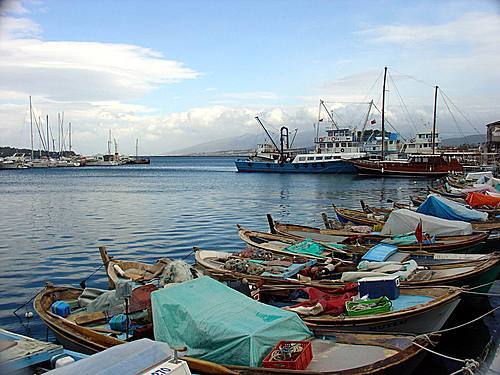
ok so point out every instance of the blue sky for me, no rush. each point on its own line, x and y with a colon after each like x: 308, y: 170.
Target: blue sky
x: 174, y: 73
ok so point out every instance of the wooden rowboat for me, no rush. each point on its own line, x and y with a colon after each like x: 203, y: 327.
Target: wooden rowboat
x: 458, y: 271
x: 419, y: 318
x: 138, y: 272
x: 87, y: 339
x: 362, y: 218
x: 349, y: 353
x: 357, y: 242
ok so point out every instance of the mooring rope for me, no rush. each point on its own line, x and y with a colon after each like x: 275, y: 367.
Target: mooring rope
x: 470, y: 364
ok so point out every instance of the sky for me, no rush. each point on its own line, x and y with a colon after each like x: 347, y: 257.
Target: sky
x: 178, y: 73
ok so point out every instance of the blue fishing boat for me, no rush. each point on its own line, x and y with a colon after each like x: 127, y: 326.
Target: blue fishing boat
x: 333, y: 154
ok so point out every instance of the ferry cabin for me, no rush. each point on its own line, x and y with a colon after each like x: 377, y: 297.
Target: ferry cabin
x: 421, y: 144
x: 337, y: 141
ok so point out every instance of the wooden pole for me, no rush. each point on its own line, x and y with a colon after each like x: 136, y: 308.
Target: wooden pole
x: 326, y: 221
x: 105, y: 260
x: 270, y: 221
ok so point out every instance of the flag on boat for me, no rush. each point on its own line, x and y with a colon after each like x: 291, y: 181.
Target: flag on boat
x: 373, y: 121
x: 419, y: 233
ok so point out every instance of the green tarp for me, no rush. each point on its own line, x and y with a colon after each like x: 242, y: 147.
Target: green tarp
x: 219, y: 324
x: 307, y: 247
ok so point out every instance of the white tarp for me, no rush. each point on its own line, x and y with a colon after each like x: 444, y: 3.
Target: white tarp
x: 405, y: 221
x: 473, y: 176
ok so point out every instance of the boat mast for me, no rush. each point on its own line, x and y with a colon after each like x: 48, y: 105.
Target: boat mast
x: 31, y: 129
x: 109, y: 143
x: 263, y: 127
x: 48, y: 139
x: 329, y: 114
x: 383, y: 117
x: 366, y: 121
x: 59, y: 132
x: 70, y: 137
x: 136, y: 148
x: 434, y: 120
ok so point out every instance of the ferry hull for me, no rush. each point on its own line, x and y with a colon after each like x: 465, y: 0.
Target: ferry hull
x: 320, y: 167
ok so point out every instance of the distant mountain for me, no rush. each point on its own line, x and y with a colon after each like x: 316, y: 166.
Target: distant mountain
x: 475, y: 139
x: 244, y: 144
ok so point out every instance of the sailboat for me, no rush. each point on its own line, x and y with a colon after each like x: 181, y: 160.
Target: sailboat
x: 432, y: 165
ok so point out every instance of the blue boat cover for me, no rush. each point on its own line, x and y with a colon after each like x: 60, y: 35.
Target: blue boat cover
x: 219, y: 324
x: 380, y: 252
x: 438, y: 206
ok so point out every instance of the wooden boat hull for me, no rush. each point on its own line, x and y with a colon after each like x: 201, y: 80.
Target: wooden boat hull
x: 402, y: 351
x: 419, y: 319
x: 86, y: 341
x: 466, y: 272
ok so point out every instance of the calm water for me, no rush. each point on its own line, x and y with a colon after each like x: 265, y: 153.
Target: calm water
x: 53, y: 220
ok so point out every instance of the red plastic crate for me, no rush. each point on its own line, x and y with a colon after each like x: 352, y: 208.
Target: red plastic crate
x: 300, y: 363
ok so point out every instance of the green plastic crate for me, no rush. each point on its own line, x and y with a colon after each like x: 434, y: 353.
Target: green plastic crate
x: 380, y: 305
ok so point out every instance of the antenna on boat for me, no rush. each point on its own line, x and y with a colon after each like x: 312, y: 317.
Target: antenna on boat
x: 434, y: 120
x: 383, y: 117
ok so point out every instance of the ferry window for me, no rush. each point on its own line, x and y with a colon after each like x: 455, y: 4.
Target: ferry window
x: 343, y: 144
x: 330, y: 145
x: 322, y: 145
x: 319, y: 157
x: 302, y: 158
x: 425, y: 160
x: 336, y: 157
x: 412, y: 146
x: 374, y: 148
x: 310, y: 158
x: 337, y: 144
x: 419, y: 146
x: 328, y: 157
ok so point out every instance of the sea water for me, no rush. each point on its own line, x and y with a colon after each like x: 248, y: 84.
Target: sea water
x: 53, y: 220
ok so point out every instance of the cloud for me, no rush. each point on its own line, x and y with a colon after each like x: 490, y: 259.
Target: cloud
x: 473, y: 28
x: 13, y: 7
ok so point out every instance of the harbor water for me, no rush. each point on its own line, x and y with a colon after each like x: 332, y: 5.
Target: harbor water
x: 53, y: 220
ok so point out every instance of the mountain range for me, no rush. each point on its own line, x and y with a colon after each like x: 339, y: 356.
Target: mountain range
x: 244, y: 144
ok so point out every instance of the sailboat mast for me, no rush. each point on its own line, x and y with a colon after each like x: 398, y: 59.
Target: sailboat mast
x: 383, y: 117
x: 366, y: 121
x: 434, y: 120
x: 59, y: 132
x: 136, y: 148
x: 70, y: 137
x: 31, y: 129
x: 109, y: 143
x: 48, y: 139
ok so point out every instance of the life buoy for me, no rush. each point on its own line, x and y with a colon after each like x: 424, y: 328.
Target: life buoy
x: 341, y: 150
x: 321, y: 139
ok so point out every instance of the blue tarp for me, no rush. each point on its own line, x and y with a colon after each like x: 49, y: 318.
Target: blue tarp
x: 438, y: 206
x: 380, y: 252
x: 219, y: 324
